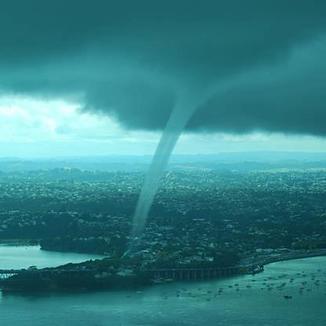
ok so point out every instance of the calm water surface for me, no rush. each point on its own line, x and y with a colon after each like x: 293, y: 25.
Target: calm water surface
x: 245, y: 300
x: 17, y: 257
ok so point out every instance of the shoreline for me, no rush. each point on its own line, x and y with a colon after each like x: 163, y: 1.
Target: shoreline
x: 89, y: 278
x: 277, y: 255
x: 264, y: 260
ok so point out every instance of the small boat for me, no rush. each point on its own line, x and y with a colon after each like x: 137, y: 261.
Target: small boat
x: 288, y: 297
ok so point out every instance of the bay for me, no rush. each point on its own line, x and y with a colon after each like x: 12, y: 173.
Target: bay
x: 286, y: 293
x: 18, y: 257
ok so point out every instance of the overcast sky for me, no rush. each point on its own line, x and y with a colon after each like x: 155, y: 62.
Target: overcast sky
x: 102, y: 77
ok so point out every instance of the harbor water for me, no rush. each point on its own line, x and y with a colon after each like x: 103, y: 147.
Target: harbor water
x: 286, y: 293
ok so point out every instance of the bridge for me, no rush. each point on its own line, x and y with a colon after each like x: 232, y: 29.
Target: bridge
x: 189, y: 274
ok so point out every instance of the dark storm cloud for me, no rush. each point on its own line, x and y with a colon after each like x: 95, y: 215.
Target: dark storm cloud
x: 130, y: 59
x: 289, y: 97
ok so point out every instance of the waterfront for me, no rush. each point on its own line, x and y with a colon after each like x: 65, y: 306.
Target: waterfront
x: 242, y: 300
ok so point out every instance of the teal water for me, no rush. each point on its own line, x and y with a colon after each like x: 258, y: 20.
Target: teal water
x: 17, y: 257
x: 244, y: 300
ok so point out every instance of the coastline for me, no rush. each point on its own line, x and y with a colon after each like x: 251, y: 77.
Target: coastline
x: 93, y: 275
x: 263, y: 260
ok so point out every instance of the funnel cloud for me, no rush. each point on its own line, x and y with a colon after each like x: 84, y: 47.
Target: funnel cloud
x: 132, y: 59
x: 185, y: 107
x: 129, y: 59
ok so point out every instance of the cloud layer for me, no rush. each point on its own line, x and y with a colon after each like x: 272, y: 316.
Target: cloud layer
x: 131, y: 59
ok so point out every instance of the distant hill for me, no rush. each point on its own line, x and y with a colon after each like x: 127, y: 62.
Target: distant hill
x: 223, y: 161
